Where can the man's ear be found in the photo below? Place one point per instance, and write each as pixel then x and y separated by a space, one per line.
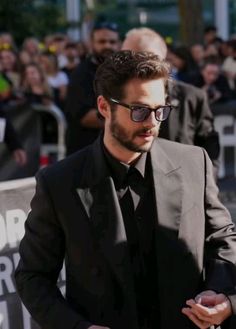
pixel 103 106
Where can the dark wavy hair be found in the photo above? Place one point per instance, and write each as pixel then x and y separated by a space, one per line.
pixel 125 65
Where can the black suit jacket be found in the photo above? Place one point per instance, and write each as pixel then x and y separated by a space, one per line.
pixel 76 215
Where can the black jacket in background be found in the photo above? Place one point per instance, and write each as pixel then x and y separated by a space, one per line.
pixel 80 100
pixel 11 138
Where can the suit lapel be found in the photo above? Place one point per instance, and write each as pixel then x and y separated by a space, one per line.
pixel 108 227
pixel 168 190
pixel 98 195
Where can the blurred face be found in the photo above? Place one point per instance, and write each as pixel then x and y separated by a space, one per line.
pixel 7 59
pixel 210 36
pixel 71 53
pixel 197 52
pixel 31 46
pixel 58 45
pixel 105 42
pixel 211 50
pixel 175 61
pixel 47 64
pixel 32 75
pixel 210 73
pixel 124 137
pixel 7 38
pixel 24 57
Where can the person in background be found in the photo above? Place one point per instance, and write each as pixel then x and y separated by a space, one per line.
pixel 82 50
pixel 182 63
pixel 83 122
pixel 36 91
pixel 9 66
pixel 8 135
pixel 56 78
pixel 57 45
pixel 146 242
pixel 24 59
pixel 72 56
pixel 213 82
pixel 229 65
pixel 7 41
pixel 31 47
pixel 211 50
pixel 211 37
pixel 34 85
pixel 197 53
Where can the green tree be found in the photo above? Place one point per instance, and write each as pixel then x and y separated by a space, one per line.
pixel 22 19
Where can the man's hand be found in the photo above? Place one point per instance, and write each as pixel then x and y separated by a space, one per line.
pixel 208 308
pixel 20 157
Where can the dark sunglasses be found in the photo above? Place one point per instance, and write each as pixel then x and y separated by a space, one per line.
pixel 139 113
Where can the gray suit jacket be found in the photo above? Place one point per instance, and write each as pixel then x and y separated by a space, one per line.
pixel 191 121
pixel 76 215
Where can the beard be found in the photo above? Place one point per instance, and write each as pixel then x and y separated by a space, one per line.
pixel 101 56
pixel 126 139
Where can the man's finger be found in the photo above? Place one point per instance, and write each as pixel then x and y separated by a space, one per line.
pixel 204 310
pixel 202 317
pixel 200 324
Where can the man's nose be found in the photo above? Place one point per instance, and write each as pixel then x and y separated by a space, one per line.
pixel 151 121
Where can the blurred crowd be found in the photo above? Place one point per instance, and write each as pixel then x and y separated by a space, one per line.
pixel 210 66
pixel 53 70
pixel 38 72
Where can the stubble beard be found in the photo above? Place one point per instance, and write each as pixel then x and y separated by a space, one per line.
pixel 119 133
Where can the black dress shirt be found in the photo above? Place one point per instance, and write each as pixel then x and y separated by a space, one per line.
pixel 134 186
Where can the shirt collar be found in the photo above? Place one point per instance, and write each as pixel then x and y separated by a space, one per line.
pixel 119 170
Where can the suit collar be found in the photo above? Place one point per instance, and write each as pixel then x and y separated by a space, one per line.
pixel 167 179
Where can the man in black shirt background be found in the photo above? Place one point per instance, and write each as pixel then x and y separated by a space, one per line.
pixel 83 122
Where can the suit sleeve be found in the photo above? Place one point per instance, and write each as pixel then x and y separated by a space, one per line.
pixel 220 242
pixel 41 258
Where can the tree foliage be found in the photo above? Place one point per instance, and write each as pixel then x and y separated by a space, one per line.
pixel 191 17
pixel 22 19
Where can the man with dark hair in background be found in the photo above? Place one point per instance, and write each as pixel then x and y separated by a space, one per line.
pixel 83 122
pixel 136 218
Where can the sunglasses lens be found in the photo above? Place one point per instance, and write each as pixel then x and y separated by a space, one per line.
pixel 163 113
pixel 139 114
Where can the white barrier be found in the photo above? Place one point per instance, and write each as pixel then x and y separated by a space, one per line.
pixel 226 140
pixel 15 197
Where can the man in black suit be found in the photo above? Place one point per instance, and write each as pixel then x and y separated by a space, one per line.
pixel 192 121
pixel 136 218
